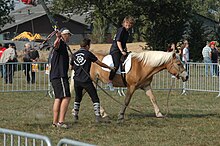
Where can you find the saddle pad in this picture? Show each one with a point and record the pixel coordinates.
(108, 60)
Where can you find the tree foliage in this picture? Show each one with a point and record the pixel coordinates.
(158, 22)
(6, 6)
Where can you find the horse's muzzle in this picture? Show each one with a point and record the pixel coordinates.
(184, 76)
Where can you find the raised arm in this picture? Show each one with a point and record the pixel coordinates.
(57, 41)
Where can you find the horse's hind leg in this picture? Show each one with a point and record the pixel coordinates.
(149, 93)
(129, 94)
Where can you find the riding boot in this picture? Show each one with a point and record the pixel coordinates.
(75, 111)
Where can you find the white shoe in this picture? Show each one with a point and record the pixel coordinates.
(110, 85)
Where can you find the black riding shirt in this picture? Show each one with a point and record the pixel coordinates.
(121, 36)
(81, 62)
(59, 62)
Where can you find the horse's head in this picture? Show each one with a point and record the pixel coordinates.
(176, 68)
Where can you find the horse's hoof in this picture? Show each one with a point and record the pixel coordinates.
(106, 119)
(159, 115)
(120, 121)
(120, 118)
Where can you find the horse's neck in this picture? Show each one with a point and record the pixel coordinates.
(157, 69)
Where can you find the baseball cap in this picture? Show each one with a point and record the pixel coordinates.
(212, 43)
(66, 31)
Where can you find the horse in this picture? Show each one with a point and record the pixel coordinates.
(144, 66)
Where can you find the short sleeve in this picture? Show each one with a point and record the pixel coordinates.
(119, 35)
(92, 57)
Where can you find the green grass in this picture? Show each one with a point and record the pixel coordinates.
(193, 119)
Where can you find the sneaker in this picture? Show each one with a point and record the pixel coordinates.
(110, 85)
(54, 125)
(62, 125)
(98, 119)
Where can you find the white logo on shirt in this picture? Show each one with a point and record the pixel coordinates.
(80, 60)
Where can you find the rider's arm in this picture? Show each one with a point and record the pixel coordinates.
(119, 46)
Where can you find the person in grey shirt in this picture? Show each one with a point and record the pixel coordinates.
(206, 53)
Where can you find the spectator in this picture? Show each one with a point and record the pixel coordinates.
(59, 60)
(2, 69)
(171, 47)
(206, 53)
(179, 47)
(185, 55)
(8, 57)
(30, 55)
(214, 58)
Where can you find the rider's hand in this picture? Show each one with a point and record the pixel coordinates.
(123, 53)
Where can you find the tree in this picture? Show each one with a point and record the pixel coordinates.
(156, 20)
(6, 7)
(207, 8)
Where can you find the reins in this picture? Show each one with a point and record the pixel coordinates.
(97, 85)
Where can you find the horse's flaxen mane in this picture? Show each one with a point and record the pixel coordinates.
(153, 58)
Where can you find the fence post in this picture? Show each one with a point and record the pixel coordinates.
(218, 82)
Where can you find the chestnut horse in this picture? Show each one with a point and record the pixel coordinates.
(144, 66)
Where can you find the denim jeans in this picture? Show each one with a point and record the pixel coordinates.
(207, 60)
(2, 68)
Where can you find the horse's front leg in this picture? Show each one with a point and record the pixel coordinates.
(129, 94)
(149, 93)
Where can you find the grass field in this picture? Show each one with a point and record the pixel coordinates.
(193, 119)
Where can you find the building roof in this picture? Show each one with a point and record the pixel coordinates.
(32, 12)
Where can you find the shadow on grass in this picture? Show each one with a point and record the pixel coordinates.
(178, 116)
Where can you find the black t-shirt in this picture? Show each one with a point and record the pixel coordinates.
(121, 36)
(34, 54)
(214, 53)
(82, 59)
(59, 62)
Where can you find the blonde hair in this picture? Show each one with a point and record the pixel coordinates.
(130, 19)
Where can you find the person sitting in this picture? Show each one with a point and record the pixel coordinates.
(119, 48)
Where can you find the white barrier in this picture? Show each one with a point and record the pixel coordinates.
(67, 142)
(199, 80)
(12, 137)
(15, 80)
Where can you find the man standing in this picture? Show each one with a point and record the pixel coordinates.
(81, 63)
(8, 57)
(214, 57)
(59, 60)
(185, 54)
(30, 55)
(206, 53)
(2, 69)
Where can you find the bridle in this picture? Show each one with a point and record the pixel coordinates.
(174, 65)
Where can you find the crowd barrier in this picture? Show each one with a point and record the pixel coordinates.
(18, 138)
(15, 78)
(202, 77)
(67, 142)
